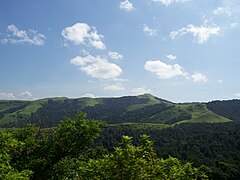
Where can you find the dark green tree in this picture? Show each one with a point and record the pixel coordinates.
(74, 136)
(7, 145)
(129, 162)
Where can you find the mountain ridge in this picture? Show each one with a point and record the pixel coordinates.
(144, 108)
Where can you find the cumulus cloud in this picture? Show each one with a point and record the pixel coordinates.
(171, 57)
(26, 95)
(140, 90)
(82, 33)
(7, 96)
(115, 55)
(97, 67)
(17, 36)
(149, 31)
(126, 5)
(163, 70)
(201, 33)
(114, 87)
(198, 77)
(168, 2)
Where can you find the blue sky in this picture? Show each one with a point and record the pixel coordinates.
(179, 50)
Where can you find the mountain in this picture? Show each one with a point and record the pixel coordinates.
(129, 109)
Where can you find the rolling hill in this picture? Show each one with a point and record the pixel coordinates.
(144, 108)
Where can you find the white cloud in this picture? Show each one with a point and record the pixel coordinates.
(17, 36)
(140, 90)
(26, 95)
(171, 57)
(115, 55)
(164, 71)
(220, 81)
(222, 11)
(7, 96)
(149, 31)
(97, 67)
(198, 77)
(126, 5)
(89, 95)
(201, 33)
(168, 2)
(114, 87)
(82, 33)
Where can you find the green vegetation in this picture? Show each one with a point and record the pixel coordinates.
(7, 145)
(128, 162)
(26, 111)
(130, 109)
(151, 100)
(200, 113)
(67, 152)
(89, 102)
(182, 113)
(143, 125)
(228, 109)
(6, 105)
(215, 145)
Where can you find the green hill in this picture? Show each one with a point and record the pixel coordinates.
(145, 109)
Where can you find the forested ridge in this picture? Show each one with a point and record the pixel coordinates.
(144, 108)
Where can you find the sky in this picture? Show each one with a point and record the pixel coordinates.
(179, 50)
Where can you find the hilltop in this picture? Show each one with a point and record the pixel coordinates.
(144, 108)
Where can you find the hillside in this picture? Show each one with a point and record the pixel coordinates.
(229, 108)
(129, 109)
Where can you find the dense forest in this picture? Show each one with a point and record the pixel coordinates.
(67, 152)
(216, 146)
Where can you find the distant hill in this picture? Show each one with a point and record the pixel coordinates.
(129, 109)
(228, 108)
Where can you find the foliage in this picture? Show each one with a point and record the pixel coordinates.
(74, 136)
(214, 145)
(35, 152)
(42, 149)
(71, 150)
(7, 145)
(128, 162)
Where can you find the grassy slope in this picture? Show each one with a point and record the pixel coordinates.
(28, 110)
(6, 105)
(200, 113)
(144, 125)
(151, 101)
(89, 102)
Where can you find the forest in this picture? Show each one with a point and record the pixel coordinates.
(69, 152)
